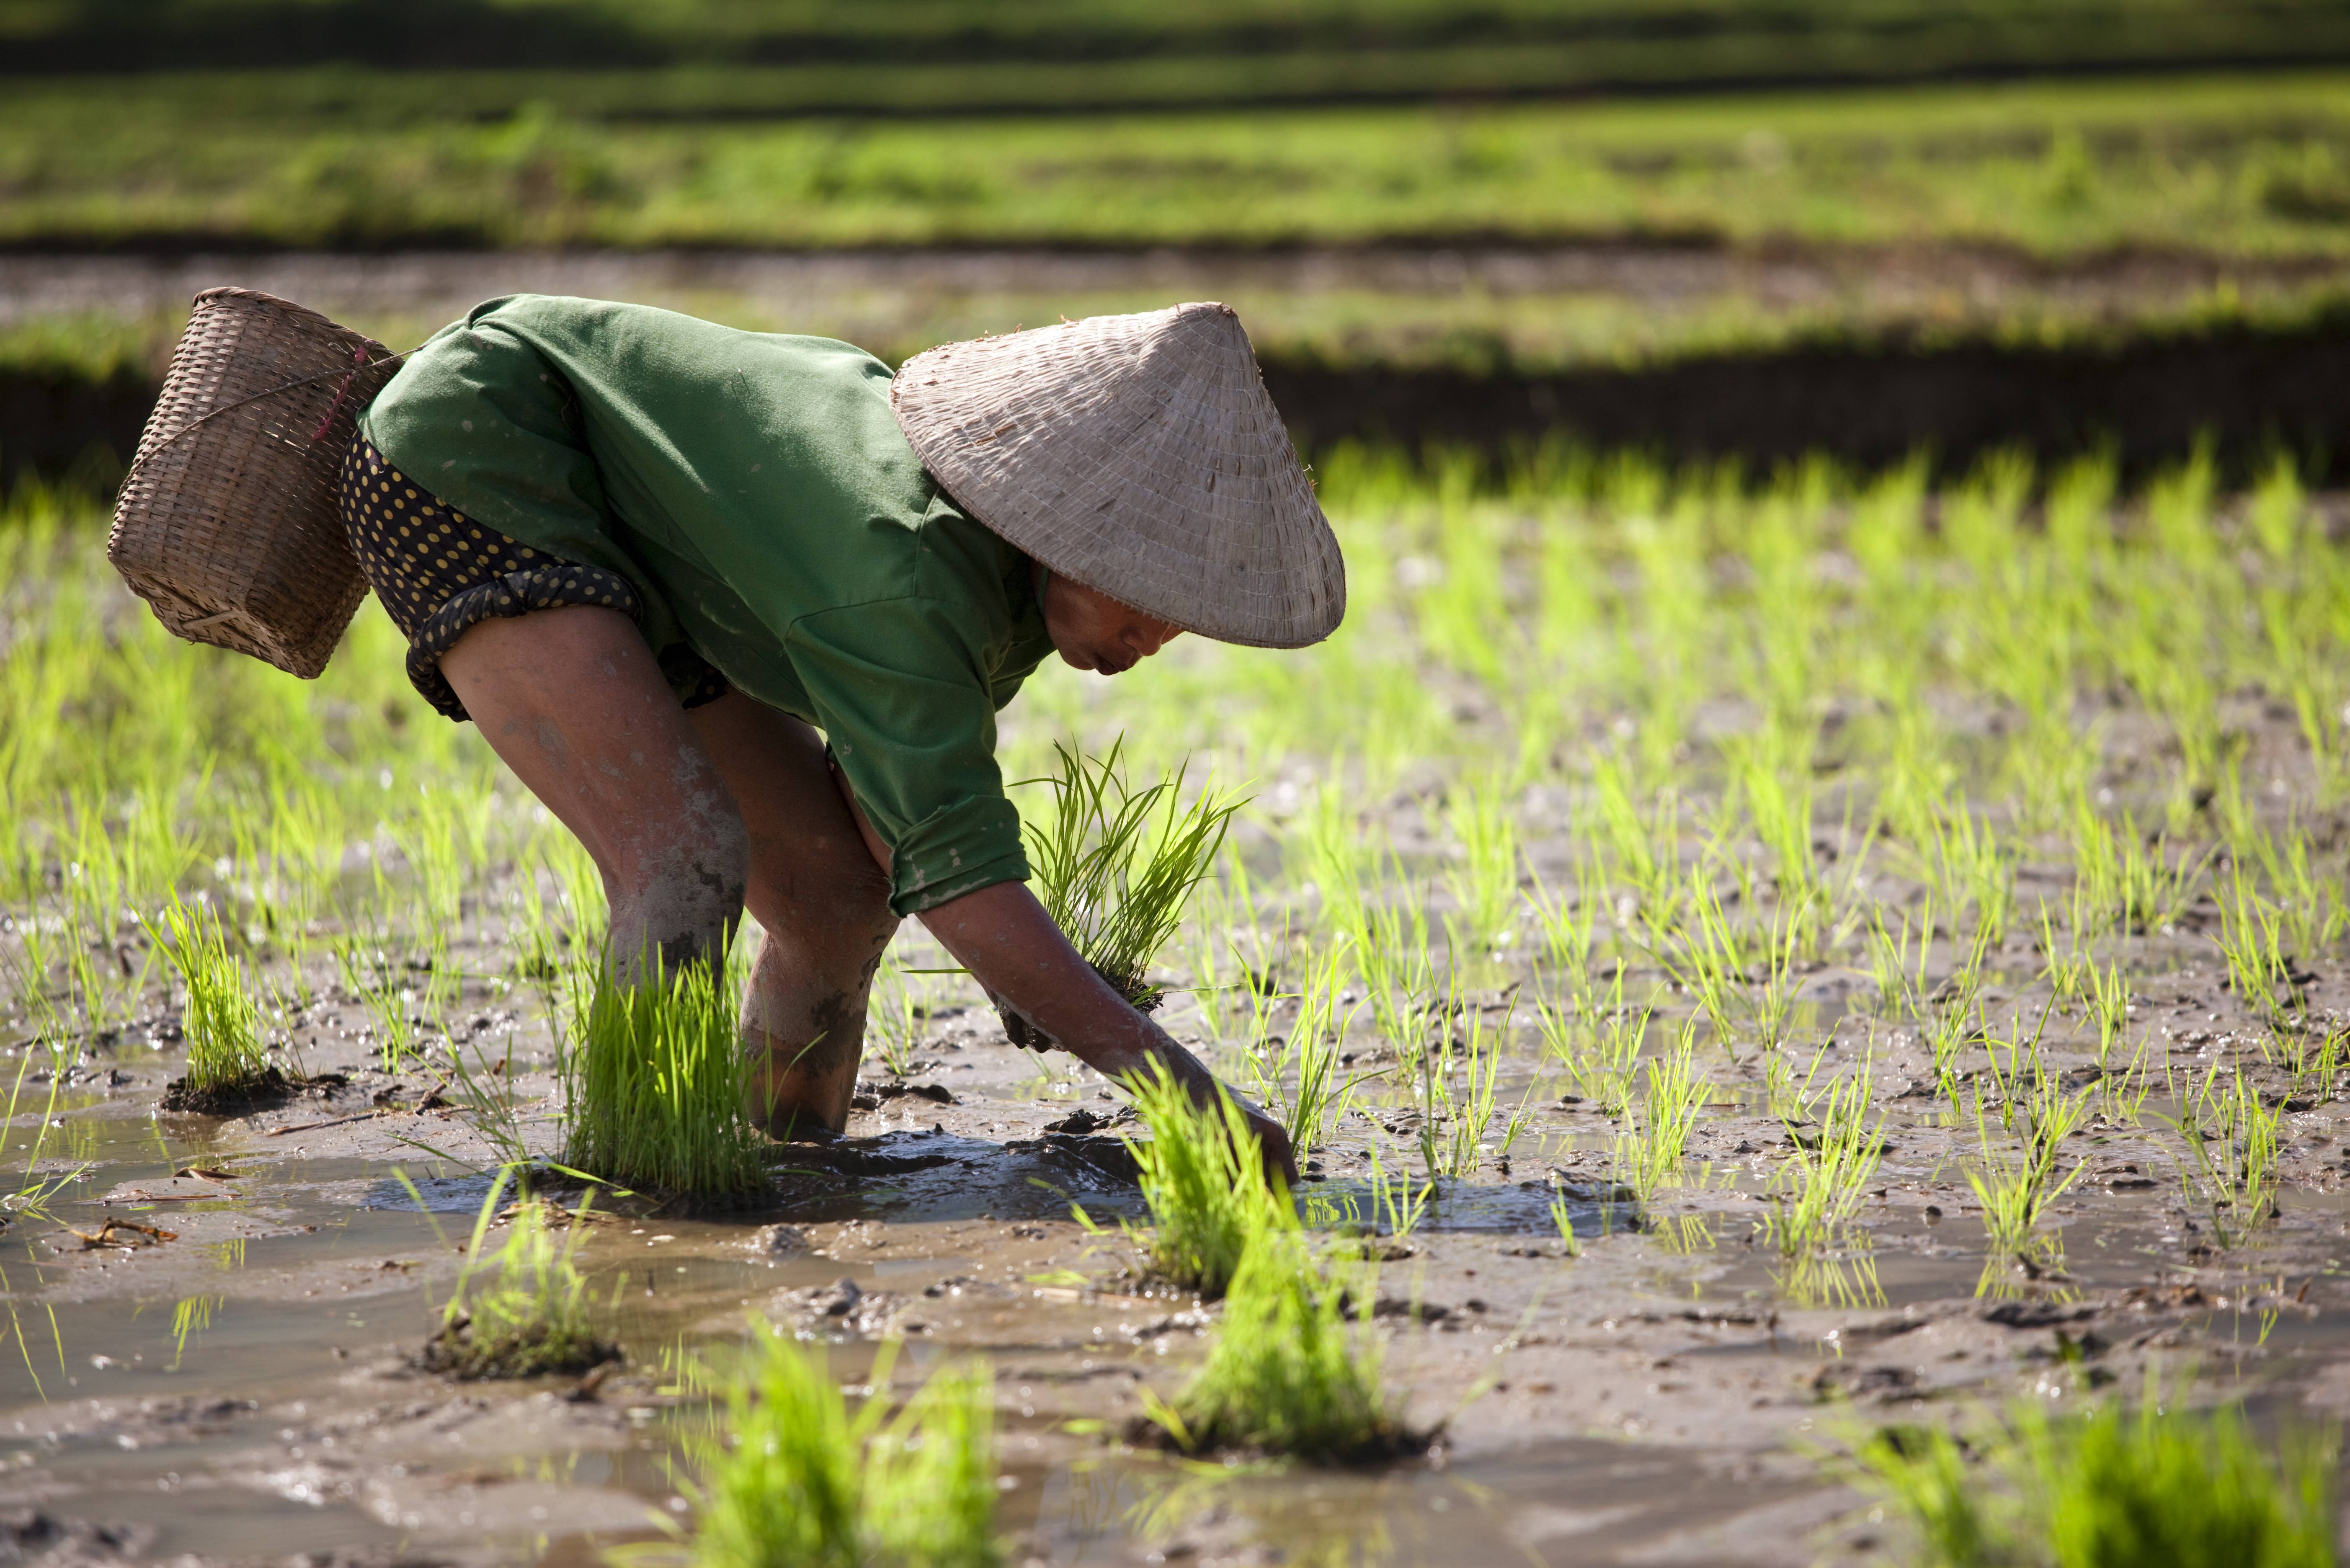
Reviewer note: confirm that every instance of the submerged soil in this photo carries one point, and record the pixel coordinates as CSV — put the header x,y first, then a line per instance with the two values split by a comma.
x,y
217,1324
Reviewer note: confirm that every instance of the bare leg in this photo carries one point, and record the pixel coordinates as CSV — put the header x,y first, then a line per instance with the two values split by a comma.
x,y
572,701
825,906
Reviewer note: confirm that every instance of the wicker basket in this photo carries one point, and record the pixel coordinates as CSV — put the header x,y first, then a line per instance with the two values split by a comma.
x,y
228,523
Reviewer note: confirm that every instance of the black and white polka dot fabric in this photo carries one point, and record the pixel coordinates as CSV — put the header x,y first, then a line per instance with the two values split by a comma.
x,y
439,573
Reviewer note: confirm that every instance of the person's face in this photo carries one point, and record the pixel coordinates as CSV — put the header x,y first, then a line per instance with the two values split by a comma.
x,y
1094,632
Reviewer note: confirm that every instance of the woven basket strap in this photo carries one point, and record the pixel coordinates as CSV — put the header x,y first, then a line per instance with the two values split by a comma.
x,y
326,420
270,392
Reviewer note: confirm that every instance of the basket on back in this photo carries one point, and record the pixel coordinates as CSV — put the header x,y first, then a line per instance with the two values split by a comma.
x,y
228,523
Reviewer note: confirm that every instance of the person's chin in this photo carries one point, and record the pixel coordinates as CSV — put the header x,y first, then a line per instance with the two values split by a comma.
x,y
1100,663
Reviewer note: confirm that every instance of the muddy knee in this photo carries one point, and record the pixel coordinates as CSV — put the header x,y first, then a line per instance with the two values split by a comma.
x,y
680,899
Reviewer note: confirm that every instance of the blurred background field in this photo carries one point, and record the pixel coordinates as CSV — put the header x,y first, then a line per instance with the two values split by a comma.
x,y
1440,222
2238,166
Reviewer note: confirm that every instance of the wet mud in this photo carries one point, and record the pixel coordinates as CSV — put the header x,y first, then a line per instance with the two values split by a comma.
x,y
218,1328
270,1086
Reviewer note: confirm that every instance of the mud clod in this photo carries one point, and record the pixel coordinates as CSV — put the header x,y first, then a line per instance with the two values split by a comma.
x,y
851,1157
269,1088
1085,1157
843,1306
29,1535
1393,1441
2037,1315
534,1352
780,1241
1084,1122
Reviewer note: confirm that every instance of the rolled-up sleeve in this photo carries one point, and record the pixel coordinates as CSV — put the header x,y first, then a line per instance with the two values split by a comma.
x,y
898,690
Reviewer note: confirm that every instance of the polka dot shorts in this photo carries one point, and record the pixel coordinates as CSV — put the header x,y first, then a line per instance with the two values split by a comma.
x,y
438,572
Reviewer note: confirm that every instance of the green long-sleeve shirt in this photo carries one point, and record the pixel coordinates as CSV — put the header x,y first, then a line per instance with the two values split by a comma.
x,y
755,488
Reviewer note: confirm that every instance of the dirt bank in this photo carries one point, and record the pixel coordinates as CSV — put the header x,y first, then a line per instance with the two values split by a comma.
x,y
1863,353
1872,404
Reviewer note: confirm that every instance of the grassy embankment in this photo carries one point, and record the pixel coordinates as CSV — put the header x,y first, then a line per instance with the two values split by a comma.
x,y
2250,167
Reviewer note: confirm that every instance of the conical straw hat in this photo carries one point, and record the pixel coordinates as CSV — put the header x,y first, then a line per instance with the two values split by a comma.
x,y
1141,456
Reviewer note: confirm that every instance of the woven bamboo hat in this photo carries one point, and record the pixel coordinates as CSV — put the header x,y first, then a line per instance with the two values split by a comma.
x,y
1141,456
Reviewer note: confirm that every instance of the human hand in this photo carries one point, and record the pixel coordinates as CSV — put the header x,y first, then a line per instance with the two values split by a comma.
x,y
1002,935
1272,1142
1205,1089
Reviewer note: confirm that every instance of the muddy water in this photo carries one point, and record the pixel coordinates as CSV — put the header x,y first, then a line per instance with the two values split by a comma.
x,y
239,1388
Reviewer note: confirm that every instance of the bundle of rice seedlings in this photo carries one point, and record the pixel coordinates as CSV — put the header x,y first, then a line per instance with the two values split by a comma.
x,y
653,1086
796,1479
1114,865
521,1311
2152,1487
1286,1376
1204,1178
228,1066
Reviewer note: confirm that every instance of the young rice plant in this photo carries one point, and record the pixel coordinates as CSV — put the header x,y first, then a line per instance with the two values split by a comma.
x,y
797,1480
653,1086
521,1311
1287,1377
1115,864
1207,1186
226,1060
2155,1486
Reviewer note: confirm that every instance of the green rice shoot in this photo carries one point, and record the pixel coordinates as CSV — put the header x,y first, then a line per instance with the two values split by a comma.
x,y
653,1086
522,1309
2148,1486
1286,1376
220,1016
1115,864
796,1478
1299,1075
1206,1184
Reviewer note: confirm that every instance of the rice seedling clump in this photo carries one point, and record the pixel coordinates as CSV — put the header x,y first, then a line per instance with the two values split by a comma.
x,y
228,1065
653,1088
1114,865
521,1311
1207,1186
796,1478
2148,1486
1287,1376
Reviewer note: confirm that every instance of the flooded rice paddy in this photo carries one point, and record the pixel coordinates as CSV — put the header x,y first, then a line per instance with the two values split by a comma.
x,y
1831,955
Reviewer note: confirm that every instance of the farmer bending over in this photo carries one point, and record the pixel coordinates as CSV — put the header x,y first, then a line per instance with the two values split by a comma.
x,y
753,537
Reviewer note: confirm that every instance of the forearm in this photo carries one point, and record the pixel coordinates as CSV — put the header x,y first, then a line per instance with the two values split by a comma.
x,y
1002,935
1012,947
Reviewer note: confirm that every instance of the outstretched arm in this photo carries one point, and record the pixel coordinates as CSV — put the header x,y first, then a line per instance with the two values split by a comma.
x,y
1002,935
